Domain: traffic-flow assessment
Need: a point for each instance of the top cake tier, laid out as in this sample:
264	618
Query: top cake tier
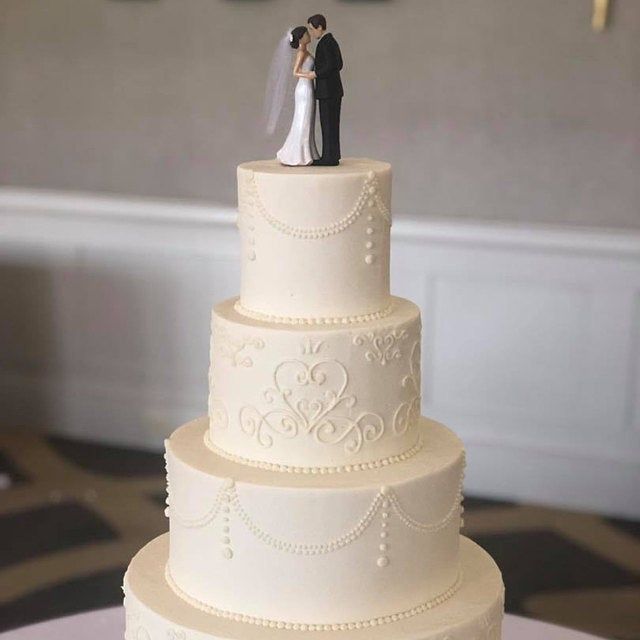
315	241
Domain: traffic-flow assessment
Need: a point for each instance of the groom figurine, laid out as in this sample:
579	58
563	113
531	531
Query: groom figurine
329	90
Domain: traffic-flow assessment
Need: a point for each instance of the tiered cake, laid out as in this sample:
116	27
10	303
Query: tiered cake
314	500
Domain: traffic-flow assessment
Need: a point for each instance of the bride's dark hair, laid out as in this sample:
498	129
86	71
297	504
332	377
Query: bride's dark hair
296	35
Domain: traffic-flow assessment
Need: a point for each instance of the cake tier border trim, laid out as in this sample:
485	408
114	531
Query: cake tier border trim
328	320
285	468
320	626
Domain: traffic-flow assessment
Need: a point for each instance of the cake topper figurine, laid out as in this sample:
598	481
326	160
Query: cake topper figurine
328	90
292	52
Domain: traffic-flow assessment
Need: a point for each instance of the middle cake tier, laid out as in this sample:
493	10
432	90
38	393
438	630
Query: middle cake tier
272	548
315	399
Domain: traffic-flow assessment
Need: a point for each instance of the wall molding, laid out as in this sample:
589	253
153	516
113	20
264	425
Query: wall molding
48	204
69	204
531	344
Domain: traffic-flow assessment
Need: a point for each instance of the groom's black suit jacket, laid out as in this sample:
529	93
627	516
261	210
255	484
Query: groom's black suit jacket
327	68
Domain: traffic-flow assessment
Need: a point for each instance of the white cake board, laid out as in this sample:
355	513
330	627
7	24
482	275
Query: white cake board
108	624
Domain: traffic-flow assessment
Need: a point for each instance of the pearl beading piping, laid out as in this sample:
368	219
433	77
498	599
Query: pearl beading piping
369	197
385	499
301	626
285	468
302	549
384	494
267	317
203	521
424	527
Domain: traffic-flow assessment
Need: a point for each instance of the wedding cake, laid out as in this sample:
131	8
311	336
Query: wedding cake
314	500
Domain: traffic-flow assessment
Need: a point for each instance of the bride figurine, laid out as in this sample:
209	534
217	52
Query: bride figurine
299	148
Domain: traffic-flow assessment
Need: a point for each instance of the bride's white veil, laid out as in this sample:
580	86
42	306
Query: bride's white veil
278	82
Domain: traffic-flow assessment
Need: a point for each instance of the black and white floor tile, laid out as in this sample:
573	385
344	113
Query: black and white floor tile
72	514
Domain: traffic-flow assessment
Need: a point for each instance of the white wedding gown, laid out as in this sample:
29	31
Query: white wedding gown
300	146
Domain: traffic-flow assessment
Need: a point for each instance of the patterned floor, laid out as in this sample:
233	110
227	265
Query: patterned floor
72	514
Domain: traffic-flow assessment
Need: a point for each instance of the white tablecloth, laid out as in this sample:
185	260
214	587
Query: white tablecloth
108	624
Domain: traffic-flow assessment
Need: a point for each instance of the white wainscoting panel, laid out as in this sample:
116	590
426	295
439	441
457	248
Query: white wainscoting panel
531	335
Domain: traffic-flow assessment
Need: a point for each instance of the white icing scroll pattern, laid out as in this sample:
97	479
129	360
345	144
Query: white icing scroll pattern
408	413
311	399
369	196
344	468
234	349
381	347
218	414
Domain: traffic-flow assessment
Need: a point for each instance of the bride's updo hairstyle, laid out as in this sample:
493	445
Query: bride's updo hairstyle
295	36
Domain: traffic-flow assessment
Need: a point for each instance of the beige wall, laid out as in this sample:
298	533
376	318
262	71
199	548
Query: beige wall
507	109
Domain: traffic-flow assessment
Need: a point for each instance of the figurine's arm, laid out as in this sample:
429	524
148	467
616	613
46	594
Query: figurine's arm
332	60
297	67
338	57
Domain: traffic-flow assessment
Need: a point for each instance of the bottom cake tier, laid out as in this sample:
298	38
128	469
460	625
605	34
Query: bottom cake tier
155	612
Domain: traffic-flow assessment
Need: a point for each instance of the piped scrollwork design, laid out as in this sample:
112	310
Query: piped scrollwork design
234	349
408	412
218	414
381	347
312	399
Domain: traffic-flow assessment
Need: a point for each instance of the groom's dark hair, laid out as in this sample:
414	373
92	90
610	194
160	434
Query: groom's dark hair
318	20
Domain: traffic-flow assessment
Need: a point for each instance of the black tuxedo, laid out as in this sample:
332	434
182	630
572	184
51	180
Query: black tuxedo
329	94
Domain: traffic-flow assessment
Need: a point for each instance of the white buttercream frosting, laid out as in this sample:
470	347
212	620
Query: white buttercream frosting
315	240
319	398
155	610
315	374
238	532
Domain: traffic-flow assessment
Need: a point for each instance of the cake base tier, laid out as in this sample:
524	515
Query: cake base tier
155	611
